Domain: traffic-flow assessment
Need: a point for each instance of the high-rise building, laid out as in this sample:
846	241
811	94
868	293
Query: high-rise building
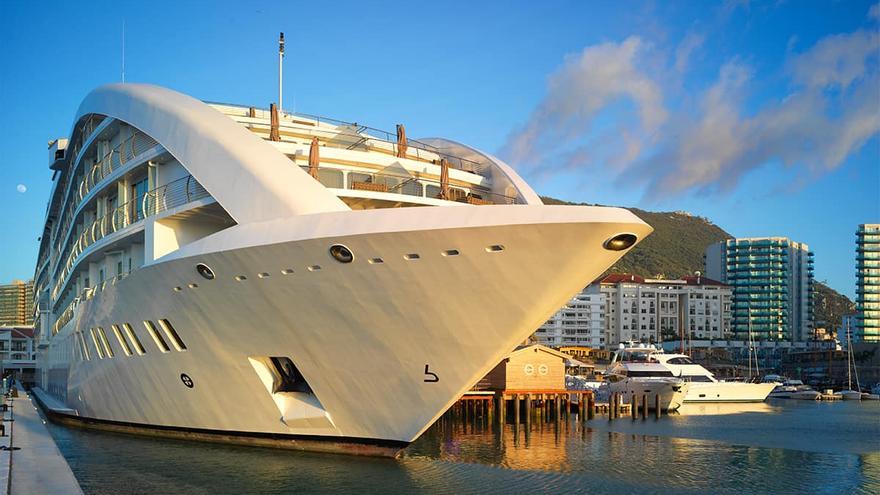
578	323
867	326
772	279
655	310
16	301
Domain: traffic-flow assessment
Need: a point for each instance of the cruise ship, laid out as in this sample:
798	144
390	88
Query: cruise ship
230	273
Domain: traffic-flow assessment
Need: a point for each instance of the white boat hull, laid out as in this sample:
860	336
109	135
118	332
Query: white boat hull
672	393
369	338
728	392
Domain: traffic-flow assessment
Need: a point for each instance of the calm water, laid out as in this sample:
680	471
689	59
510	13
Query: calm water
781	447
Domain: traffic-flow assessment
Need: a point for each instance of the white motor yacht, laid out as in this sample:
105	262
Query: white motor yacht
704	387
794	389
633	374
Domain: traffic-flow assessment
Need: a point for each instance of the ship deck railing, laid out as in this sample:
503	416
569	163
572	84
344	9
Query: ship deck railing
171	195
361	136
420	187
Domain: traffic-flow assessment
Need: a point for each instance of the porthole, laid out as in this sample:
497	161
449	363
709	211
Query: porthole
341	253
450	252
287	271
263	275
205	271
178	289
495	248
193	286
314	268
376	261
620	242
411	256
529	369
240	278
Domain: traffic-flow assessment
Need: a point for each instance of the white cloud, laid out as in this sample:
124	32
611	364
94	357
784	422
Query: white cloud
587	83
835	60
21	188
831	109
686	48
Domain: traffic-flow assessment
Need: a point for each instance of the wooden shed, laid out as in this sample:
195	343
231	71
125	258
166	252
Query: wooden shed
533	367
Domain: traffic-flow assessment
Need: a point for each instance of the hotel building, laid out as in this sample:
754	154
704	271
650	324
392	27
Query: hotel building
578	323
867	325
654	310
16	300
772	280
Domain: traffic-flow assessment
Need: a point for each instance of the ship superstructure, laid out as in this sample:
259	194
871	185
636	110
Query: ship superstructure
230	273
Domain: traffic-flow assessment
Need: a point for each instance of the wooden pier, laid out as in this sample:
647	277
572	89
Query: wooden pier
526	406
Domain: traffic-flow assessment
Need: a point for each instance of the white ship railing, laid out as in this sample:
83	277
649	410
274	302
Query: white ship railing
126	150
171	195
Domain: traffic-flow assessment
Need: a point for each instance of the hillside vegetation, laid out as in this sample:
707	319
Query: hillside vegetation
676	248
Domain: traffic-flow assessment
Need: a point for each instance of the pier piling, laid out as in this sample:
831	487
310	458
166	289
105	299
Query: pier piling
516	409
657	406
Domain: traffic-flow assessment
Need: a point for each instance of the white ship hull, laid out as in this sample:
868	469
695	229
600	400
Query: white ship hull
672	392
728	392
362	334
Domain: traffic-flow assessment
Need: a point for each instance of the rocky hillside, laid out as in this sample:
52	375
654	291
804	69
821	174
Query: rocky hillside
676	248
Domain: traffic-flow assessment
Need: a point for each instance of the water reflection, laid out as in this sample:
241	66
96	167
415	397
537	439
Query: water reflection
457	457
717	408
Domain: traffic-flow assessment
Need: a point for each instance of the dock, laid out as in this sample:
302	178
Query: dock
34	465
525	406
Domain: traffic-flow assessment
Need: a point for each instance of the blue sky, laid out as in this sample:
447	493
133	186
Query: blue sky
761	116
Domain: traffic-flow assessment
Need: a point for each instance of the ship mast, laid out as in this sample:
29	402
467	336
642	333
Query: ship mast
280	70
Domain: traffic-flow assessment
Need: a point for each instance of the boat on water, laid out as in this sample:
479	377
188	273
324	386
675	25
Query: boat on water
702	384
632	375
228	273
794	389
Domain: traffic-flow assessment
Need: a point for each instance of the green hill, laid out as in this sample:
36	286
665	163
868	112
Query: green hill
676	248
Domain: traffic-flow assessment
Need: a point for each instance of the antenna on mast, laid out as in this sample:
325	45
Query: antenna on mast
123	51
280	70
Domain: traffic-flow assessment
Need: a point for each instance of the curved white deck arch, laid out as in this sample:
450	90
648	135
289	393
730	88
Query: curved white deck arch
250	178
501	171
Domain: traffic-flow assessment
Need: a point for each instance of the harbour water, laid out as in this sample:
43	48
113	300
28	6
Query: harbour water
777	447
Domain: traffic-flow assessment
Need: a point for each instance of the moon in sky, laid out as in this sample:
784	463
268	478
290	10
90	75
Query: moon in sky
21	188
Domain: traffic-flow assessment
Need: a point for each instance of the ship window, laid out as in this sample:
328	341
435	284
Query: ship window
495	248
330	178
314	268
287	271
680	360
178	289
97	345
103	336
172	334
122	342
411	256
263	275
432	191
698	378
450	252
160	342
376	261
193	286
239	278
648	373
133	338
291	380
85	348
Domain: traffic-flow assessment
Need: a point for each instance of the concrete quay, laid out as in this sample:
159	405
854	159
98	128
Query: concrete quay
34	465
